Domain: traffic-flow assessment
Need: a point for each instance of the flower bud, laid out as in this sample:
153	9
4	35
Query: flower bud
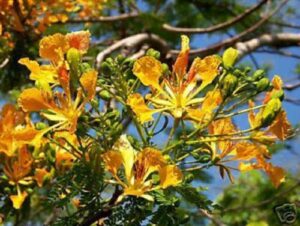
258	74
270	112
40	125
154	53
263	84
229	57
73	57
105	68
229	84
105	95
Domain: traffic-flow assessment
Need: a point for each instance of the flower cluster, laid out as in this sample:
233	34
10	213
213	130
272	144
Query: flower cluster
64	122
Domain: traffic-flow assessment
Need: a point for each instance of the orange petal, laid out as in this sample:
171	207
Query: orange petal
53	47
281	126
148	70
170	175
79	40
32	99
181	63
138	106
88	81
207	69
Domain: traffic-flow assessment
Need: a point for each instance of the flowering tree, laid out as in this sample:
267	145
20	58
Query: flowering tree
85	145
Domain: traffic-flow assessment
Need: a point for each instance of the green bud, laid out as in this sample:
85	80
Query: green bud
263	84
184	218
229	84
165	68
105	95
40	125
84	67
229	57
120	58
154	53
84	118
270	112
7	190
73	57
29	190
105	68
258	74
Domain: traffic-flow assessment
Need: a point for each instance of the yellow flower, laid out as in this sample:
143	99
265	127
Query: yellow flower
281	126
18	199
40	175
138	167
59	106
275	173
79	40
16	131
43	75
178	93
17	168
54	47
223	127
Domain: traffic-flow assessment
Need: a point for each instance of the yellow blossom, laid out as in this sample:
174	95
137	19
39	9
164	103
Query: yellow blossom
177	94
138	166
18	199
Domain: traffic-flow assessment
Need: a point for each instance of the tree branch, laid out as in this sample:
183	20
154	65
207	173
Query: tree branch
275	40
123	16
217	26
215	220
133	42
231	41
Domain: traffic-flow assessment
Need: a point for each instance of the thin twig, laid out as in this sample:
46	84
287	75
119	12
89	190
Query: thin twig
217	26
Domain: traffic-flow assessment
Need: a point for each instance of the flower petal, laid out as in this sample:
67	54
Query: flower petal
88	81
53	47
207	69
79	40
32	99
138	106
112	160
281	126
170	175
181	63
148	70
18	200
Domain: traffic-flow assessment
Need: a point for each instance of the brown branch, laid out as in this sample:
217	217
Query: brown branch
133	42
107	19
290	87
231	41
215	220
103	213
217	26
285	24
275	40
279	52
